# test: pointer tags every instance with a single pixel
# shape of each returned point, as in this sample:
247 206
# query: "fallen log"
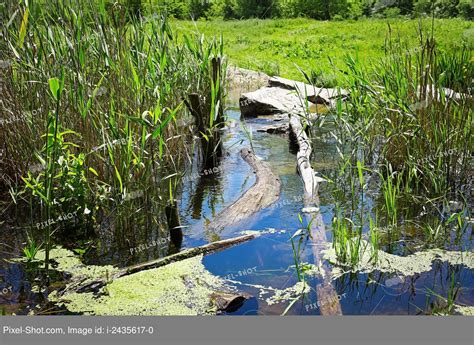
274 129
186 254
287 97
82 286
262 194
303 156
325 291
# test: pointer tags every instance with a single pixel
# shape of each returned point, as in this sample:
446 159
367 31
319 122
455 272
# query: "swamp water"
265 266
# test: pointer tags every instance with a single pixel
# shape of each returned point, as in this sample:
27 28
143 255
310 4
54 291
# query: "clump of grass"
107 90
445 305
347 240
300 235
417 125
31 248
391 191
408 123
374 239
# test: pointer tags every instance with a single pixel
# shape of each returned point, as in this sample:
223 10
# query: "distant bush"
446 8
316 9
199 8
466 9
423 6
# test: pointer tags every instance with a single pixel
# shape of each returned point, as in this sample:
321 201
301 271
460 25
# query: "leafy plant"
31 248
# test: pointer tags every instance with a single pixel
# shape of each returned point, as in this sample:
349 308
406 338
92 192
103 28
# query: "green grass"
276 46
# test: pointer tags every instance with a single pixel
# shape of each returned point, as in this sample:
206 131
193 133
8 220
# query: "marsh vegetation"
120 146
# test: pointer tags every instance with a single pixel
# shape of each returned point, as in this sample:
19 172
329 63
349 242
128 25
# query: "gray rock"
284 96
269 101
312 93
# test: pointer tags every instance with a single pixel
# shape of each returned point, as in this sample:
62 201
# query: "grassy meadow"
278 46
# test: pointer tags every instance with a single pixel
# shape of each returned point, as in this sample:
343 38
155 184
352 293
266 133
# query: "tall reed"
120 124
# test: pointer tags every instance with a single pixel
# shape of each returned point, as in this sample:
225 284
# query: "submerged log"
95 285
289 97
228 302
262 194
327 295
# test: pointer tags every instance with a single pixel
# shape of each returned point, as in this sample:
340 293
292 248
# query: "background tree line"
317 9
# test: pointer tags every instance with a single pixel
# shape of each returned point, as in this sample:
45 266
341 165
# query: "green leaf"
157 131
92 170
119 178
24 24
54 87
361 175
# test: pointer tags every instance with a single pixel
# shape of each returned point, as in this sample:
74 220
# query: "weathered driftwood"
245 79
431 92
288 97
263 193
186 254
284 96
96 285
327 295
303 156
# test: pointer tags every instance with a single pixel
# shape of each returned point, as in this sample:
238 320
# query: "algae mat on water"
418 262
180 288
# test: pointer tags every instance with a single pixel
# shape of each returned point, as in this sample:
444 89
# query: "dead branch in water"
95 285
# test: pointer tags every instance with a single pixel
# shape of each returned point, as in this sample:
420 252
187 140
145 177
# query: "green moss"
468 311
181 288
66 261
289 293
407 266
